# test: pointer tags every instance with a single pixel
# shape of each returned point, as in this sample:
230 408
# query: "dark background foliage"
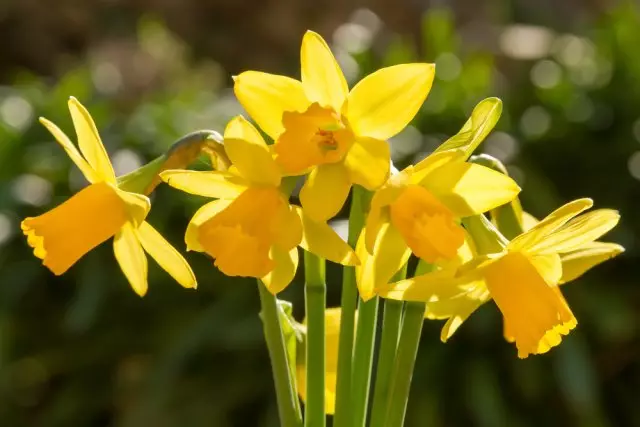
84 350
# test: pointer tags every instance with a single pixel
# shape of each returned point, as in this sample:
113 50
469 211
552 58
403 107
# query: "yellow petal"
383 103
221 185
288 228
551 222
63 235
483 119
267 96
322 77
432 162
284 269
320 239
390 253
369 162
430 287
165 255
579 231
72 151
325 191
579 261
249 153
205 213
465 308
536 314
89 141
528 221
131 257
549 267
138 206
469 189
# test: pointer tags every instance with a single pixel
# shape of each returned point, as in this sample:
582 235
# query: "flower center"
313 137
427 226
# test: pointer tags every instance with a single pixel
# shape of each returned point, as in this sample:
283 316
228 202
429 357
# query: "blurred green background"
84 350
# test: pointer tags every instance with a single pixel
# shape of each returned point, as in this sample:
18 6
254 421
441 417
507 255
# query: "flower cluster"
336 138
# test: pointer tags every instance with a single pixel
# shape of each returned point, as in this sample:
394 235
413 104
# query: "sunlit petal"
579 261
165 255
222 185
89 141
131 257
285 264
202 215
368 162
267 96
383 103
320 239
325 191
322 77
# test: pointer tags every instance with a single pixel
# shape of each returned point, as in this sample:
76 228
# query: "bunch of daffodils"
335 138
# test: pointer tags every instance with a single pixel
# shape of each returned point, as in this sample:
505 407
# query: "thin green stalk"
315 298
405 361
347 319
363 359
288 407
387 355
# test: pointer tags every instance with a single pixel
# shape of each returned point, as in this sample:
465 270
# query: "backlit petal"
285 264
368 162
551 222
549 267
469 189
89 141
422 171
465 308
579 231
483 119
383 103
131 257
288 228
249 153
325 191
390 253
322 77
63 235
267 96
221 185
88 172
205 213
165 255
138 205
320 239
579 261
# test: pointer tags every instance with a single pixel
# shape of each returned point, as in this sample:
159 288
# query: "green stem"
363 359
315 297
347 319
288 407
405 361
387 355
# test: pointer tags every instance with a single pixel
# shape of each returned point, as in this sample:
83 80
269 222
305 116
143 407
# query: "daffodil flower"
523 279
419 209
318 125
98 212
252 230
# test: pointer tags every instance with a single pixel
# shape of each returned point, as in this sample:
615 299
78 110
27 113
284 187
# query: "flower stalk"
315 299
288 408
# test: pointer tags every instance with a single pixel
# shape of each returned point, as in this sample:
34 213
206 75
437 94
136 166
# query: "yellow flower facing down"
252 230
318 125
418 210
100 211
523 279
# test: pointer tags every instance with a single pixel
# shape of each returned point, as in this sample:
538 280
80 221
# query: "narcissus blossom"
418 210
98 212
319 126
523 279
252 230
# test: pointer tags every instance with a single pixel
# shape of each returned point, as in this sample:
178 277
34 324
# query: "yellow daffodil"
419 209
98 212
523 279
318 125
332 334
252 230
